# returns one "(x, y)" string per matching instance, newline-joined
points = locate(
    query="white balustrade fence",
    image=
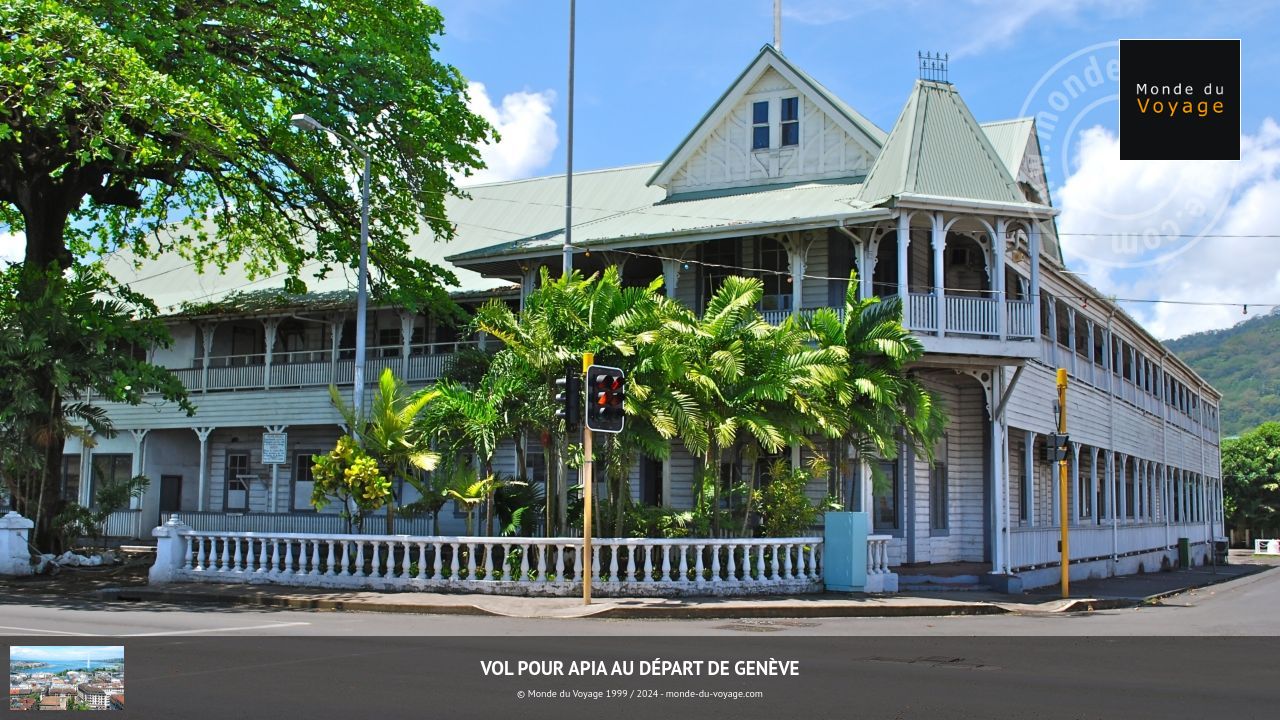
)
(496, 565)
(880, 579)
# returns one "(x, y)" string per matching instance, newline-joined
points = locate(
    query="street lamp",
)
(310, 124)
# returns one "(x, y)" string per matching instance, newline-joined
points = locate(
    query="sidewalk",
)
(1087, 595)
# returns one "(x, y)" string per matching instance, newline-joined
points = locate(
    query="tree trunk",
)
(44, 213)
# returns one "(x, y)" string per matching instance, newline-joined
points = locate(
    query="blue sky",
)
(56, 653)
(646, 72)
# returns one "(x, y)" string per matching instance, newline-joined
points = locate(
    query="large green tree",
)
(163, 127)
(1251, 480)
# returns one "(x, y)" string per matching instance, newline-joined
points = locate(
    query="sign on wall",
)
(274, 448)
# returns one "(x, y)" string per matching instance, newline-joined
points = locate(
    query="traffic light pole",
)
(587, 465)
(1062, 484)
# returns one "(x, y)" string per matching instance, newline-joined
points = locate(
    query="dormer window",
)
(790, 121)
(760, 125)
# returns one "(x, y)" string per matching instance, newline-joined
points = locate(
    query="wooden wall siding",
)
(1137, 432)
(966, 454)
(813, 293)
(682, 469)
(920, 279)
(725, 157)
(301, 438)
(970, 471)
(308, 406)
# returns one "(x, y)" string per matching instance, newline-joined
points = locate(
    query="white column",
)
(139, 447)
(1000, 481)
(1029, 477)
(335, 341)
(269, 326)
(1093, 485)
(904, 242)
(997, 280)
(203, 434)
(406, 338)
(798, 254)
(867, 264)
(206, 335)
(1074, 482)
(1033, 289)
(939, 241)
(528, 282)
(671, 276)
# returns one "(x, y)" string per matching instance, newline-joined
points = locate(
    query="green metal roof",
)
(937, 149)
(694, 213)
(1009, 139)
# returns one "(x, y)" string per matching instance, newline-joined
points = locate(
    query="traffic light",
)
(569, 398)
(606, 389)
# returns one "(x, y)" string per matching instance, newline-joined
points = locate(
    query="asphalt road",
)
(1244, 607)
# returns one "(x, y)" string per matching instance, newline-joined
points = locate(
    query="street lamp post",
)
(306, 122)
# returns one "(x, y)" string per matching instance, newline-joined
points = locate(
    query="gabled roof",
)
(855, 123)
(937, 149)
(1009, 139)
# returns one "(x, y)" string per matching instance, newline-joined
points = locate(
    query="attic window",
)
(790, 121)
(760, 125)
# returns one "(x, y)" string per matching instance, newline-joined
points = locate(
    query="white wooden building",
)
(951, 215)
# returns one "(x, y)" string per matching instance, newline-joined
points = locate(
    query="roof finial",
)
(933, 67)
(777, 25)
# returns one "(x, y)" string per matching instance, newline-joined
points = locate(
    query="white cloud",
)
(13, 246)
(1138, 205)
(994, 23)
(528, 133)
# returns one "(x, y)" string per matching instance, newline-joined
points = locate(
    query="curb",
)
(692, 612)
(711, 611)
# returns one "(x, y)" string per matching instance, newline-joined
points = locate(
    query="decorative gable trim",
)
(866, 135)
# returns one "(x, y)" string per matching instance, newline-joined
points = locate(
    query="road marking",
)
(268, 626)
(42, 631)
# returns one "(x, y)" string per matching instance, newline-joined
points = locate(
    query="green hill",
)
(1243, 363)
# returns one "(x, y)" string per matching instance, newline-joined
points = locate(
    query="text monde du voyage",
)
(1180, 99)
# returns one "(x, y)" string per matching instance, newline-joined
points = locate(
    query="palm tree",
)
(877, 396)
(389, 433)
(564, 318)
(747, 379)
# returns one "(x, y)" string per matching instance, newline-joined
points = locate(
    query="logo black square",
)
(1179, 99)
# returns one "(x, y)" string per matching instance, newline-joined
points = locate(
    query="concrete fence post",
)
(15, 555)
(170, 551)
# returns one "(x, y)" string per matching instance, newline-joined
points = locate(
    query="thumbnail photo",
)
(66, 677)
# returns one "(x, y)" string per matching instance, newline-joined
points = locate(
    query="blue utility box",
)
(844, 551)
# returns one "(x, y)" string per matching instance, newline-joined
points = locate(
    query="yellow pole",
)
(1062, 485)
(587, 360)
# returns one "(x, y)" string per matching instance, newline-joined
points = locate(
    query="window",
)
(790, 121)
(760, 125)
(71, 478)
(885, 499)
(238, 477)
(939, 500)
(720, 260)
(773, 263)
(108, 469)
(389, 342)
(302, 481)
